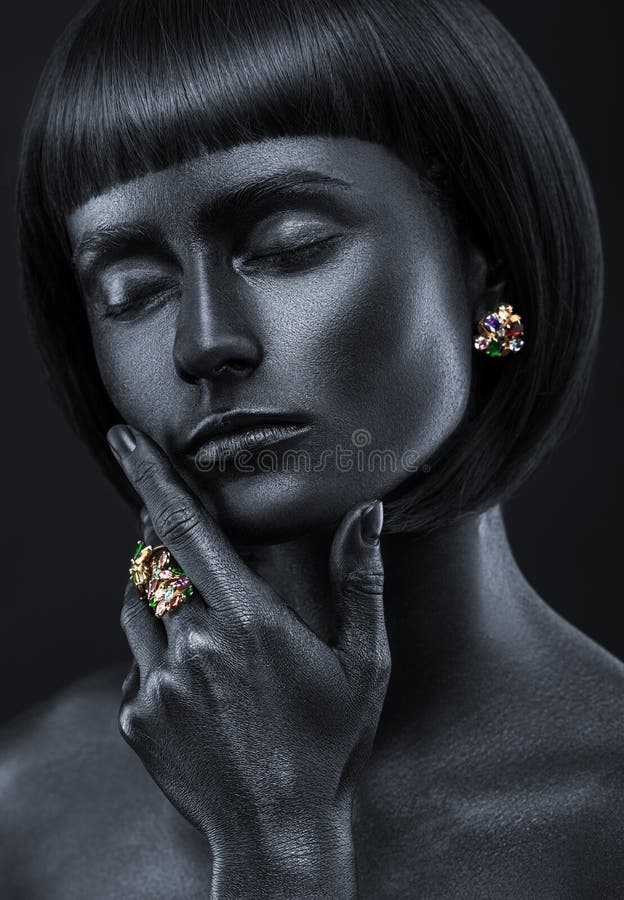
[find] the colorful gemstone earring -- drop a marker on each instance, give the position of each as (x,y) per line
(500,332)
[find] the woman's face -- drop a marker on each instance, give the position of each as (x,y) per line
(312,278)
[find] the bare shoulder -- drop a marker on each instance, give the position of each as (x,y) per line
(525,790)
(579,684)
(61,766)
(567,804)
(68,743)
(77,723)
(81,816)
(592,700)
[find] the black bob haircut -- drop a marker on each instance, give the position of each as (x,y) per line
(137,85)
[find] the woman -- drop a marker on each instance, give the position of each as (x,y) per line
(264,248)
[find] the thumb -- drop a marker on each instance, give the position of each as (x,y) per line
(356,578)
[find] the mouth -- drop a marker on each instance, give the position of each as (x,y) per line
(223,436)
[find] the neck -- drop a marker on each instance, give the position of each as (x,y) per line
(450,599)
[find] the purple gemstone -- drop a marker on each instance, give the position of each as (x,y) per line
(492,323)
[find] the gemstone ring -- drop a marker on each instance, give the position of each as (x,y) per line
(158,579)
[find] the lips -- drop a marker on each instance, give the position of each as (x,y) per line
(238,423)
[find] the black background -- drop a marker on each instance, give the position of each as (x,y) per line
(68,536)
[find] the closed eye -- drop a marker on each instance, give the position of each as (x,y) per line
(284,260)
(295,257)
(138,299)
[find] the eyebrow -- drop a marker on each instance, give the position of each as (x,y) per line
(106,243)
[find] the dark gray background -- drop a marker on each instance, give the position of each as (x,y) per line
(68,536)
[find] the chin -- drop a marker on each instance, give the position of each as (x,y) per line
(264,509)
(273,508)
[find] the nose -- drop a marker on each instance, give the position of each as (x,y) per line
(214,338)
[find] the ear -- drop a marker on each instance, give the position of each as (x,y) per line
(485,280)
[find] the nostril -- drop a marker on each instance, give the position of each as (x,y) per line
(204,353)
(234,367)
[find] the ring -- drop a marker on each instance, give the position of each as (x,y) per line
(158,579)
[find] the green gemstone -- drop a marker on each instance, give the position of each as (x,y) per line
(139,547)
(493,349)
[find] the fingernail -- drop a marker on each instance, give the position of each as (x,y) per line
(371,522)
(121,441)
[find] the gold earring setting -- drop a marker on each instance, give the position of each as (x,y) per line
(500,332)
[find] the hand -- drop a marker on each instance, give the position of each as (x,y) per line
(254,728)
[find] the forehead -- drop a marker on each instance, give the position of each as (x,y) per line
(366,168)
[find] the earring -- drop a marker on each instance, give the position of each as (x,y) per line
(500,332)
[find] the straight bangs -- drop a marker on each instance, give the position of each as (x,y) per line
(135,86)
(145,85)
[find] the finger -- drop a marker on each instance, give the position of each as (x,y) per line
(357,577)
(192,615)
(182,623)
(147,529)
(145,635)
(130,686)
(198,544)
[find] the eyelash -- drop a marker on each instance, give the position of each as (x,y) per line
(115,310)
(301,253)
(295,256)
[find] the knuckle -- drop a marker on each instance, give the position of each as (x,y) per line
(159,687)
(369,583)
(245,618)
(191,648)
(135,725)
(127,721)
(176,522)
(145,473)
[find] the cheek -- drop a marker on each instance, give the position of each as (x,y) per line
(135,369)
(386,345)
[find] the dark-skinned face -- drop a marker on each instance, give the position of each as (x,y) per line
(335,290)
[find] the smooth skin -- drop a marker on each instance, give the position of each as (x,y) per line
(497,766)
(350,302)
